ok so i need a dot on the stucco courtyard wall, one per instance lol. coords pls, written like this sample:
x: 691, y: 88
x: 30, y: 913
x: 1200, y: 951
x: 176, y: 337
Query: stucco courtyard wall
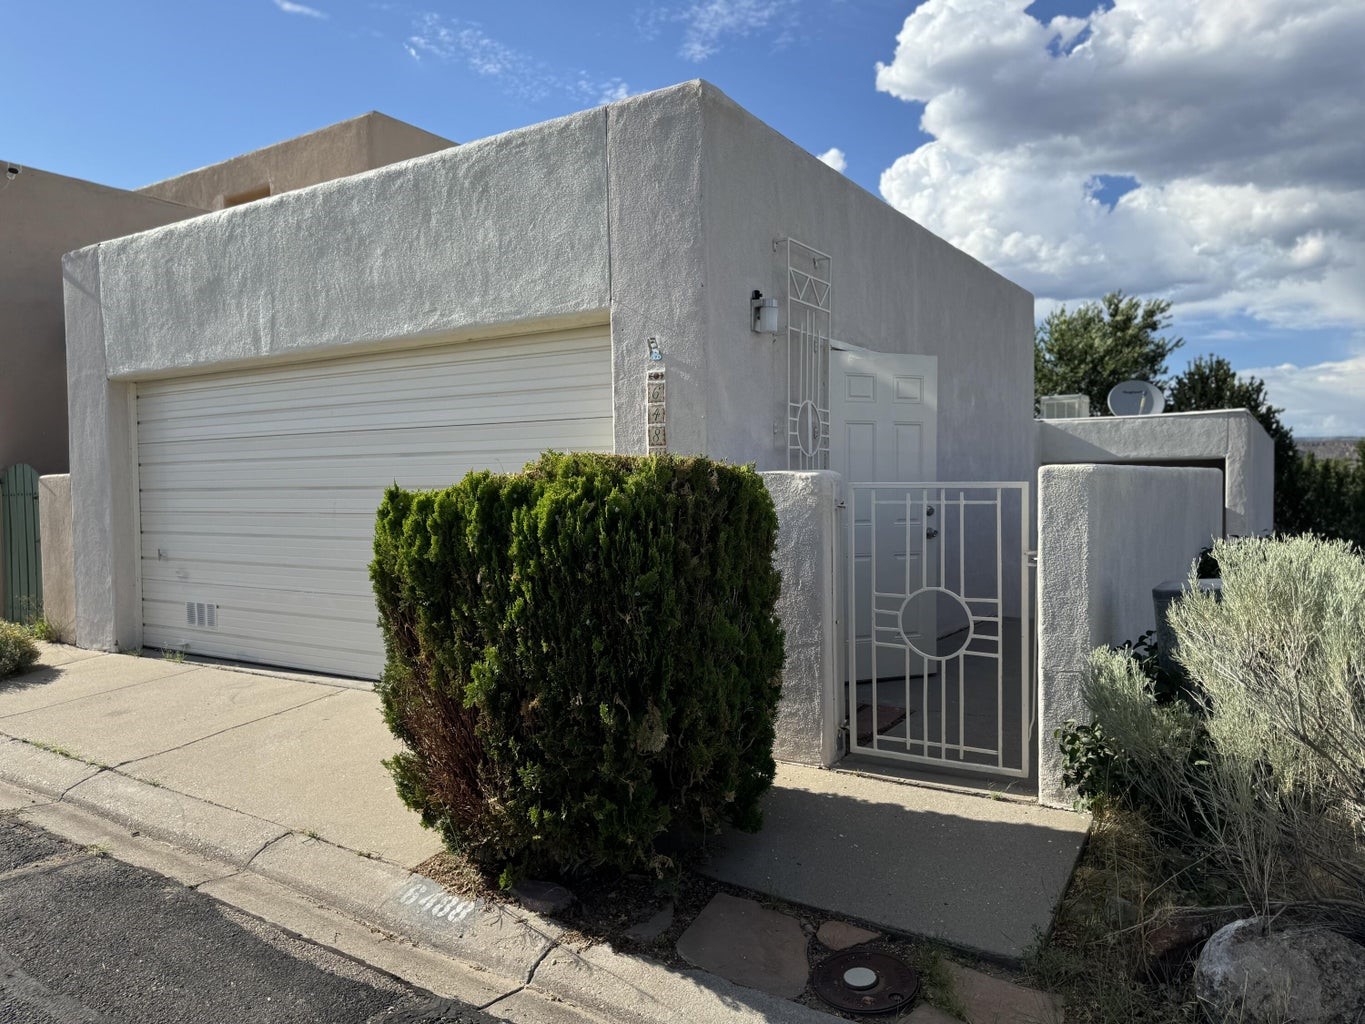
x: 1106, y: 536
x: 42, y: 216
x: 54, y: 526
x: 1230, y: 438
x: 657, y: 274
x: 806, y: 556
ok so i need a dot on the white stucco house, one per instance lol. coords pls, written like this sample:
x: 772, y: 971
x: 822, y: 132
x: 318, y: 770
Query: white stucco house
x: 244, y: 385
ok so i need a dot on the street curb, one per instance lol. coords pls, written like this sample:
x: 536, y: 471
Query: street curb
x: 41, y: 771
x: 624, y: 989
x: 515, y: 952
x: 411, y: 905
x: 183, y: 821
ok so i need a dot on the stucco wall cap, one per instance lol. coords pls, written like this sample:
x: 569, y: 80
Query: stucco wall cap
x: 454, y: 155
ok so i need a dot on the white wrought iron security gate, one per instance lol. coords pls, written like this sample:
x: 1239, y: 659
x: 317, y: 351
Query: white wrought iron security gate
x: 939, y: 667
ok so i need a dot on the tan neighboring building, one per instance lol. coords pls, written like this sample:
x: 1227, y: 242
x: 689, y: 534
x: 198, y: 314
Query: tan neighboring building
x: 349, y: 147
x: 42, y: 217
x: 45, y: 215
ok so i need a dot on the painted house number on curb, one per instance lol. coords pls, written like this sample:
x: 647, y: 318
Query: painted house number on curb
x: 439, y: 903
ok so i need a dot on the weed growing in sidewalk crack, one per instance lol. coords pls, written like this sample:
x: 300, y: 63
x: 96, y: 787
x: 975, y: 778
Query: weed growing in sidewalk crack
x: 66, y: 752
x: 939, y: 988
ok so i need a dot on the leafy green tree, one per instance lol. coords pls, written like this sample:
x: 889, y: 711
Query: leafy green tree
x: 1210, y: 382
x: 1321, y: 496
x: 1099, y: 344
x: 1330, y: 498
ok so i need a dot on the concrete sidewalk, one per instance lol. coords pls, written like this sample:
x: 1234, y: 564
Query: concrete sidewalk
x: 275, y: 779
x: 978, y: 874
x: 266, y: 791
x: 304, y: 755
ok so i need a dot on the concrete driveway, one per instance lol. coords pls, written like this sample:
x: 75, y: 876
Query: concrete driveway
x: 301, y: 752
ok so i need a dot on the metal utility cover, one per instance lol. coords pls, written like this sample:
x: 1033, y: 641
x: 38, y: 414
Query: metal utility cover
x: 866, y: 982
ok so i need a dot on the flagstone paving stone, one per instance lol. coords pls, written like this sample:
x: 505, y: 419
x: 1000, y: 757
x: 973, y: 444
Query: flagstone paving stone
x: 842, y: 935
x: 991, y: 1000
x: 748, y: 944
x: 926, y: 1014
x: 652, y: 927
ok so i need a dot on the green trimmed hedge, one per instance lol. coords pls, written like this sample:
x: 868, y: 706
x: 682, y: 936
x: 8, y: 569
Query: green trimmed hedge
x: 18, y: 652
x: 583, y: 658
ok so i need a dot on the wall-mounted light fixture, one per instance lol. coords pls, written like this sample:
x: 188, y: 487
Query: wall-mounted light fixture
x: 763, y: 313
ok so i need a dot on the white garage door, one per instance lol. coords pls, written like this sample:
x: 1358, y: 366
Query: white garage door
x: 259, y: 488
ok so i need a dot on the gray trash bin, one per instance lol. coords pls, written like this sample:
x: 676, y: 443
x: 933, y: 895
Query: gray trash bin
x: 1162, y: 596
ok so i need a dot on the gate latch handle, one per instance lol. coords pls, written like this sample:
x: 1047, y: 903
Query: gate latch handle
x: 929, y: 510
x: 931, y: 533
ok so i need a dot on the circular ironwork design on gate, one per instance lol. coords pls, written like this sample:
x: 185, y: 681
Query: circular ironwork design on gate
x: 808, y: 428
x: 954, y: 640
x: 865, y: 982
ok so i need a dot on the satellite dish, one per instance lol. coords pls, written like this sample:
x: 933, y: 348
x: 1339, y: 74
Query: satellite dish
x: 1136, y: 398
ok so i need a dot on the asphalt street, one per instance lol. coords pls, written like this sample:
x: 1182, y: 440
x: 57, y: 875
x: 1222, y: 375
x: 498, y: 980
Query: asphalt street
x: 86, y: 939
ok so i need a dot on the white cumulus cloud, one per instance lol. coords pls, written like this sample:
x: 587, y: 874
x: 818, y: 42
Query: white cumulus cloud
x: 836, y: 158
x: 708, y: 24
x: 1236, y: 126
x: 518, y: 72
x: 292, y: 8
x: 1322, y: 400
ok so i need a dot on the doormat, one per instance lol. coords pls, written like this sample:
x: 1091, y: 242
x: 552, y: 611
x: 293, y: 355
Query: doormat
x: 888, y: 717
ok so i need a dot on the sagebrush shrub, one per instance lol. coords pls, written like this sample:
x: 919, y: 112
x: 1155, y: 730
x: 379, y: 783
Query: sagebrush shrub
x: 1282, y: 656
x: 17, y: 649
x: 1282, y: 660
x: 1265, y: 783
x: 582, y: 657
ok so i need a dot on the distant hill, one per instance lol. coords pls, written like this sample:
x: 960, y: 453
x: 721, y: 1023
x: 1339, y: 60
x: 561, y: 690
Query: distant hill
x: 1329, y: 447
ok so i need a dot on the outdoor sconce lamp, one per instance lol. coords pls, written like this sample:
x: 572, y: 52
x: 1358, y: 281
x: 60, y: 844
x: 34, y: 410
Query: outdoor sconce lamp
x: 764, y: 313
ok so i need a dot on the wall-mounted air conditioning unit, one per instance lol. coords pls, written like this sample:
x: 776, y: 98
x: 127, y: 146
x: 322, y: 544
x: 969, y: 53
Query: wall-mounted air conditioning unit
x: 1064, y: 407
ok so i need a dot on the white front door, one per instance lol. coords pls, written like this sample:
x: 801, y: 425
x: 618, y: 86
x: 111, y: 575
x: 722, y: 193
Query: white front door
x: 884, y: 429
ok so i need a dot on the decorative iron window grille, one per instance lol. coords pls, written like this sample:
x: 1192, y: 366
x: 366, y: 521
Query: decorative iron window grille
x: 810, y: 324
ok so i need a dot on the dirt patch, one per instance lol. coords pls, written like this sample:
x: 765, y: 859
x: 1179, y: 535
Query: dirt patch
x: 1100, y: 954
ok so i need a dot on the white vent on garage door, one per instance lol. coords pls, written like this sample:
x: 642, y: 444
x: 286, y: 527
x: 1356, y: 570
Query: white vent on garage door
x: 201, y: 614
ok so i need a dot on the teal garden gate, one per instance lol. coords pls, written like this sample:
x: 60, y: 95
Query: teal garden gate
x: 21, y: 545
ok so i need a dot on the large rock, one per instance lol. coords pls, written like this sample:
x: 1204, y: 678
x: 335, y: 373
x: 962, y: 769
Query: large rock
x: 1309, y: 975
x: 1172, y: 940
x: 542, y: 897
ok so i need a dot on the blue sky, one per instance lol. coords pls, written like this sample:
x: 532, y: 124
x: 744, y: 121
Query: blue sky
x: 1213, y: 153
